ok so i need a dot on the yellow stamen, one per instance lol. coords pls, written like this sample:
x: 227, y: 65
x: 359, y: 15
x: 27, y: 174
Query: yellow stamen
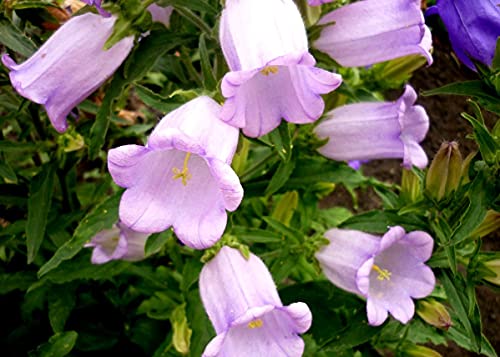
x: 255, y: 324
x: 184, y: 173
x: 269, y: 69
x: 383, y: 274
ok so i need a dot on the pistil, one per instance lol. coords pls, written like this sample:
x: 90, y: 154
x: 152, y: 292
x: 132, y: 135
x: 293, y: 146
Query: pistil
x: 183, y: 174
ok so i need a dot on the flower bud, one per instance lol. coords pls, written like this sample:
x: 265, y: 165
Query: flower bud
x: 444, y: 173
x: 490, y: 224
x: 420, y: 351
x: 494, y: 267
x: 411, y: 186
x: 434, y: 313
x: 182, y: 333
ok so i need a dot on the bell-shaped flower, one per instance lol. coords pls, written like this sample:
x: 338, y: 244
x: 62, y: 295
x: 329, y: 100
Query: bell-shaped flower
x: 473, y: 28
x: 388, y: 271
x: 373, y: 31
x: 182, y: 177
x: 119, y: 242
x: 69, y: 66
x: 241, y: 300
x: 376, y: 130
x: 273, y: 75
x: 161, y: 14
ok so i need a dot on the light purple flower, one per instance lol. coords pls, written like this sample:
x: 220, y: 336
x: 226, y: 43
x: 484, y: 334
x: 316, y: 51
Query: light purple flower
x: 182, y: 177
x: 161, y: 14
x: 98, y: 6
x: 243, y: 305
x: 378, y: 130
x: 387, y: 271
x: 69, y: 66
x: 373, y: 31
x: 273, y: 75
x: 473, y: 28
x: 119, y: 242
x: 318, y: 2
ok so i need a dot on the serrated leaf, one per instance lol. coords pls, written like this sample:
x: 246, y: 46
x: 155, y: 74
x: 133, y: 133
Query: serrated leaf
x: 101, y: 217
x: 58, y: 345
x: 39, y: 203
x: 11, y: 37
x: 16, y: 281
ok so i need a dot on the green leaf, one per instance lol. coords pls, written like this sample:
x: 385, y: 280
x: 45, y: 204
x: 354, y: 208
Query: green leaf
x: 378, y: 221
x: 281, y: 141
x: 61, y: 302
x: 39, y: 203
x: 58, y: 345
x: 7, y: 172
x: 455, y: 292
x: 256, y: 235
x: 198, y: 322
x: 156, y: 101
x: 487, y: 144
x: 13, y: 38
x: 475, y: 89
x: 101, y: 217
x: 142, y: 59
x: 209, y: 80
x: 281, y: 228
x: 156, y: 241
x: 21, y: 280
x: 280, y: 177
x: 197, y: 5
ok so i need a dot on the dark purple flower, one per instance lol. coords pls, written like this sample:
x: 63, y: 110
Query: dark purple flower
x: 473, y: 28
x: 119, y: 242
x: 98, y: 6
x: 243, y: 305
x: 273, y: 75
x: 376, y: 130
x: 182, y: 177
x: 388, y: 271
x: 373, y: 31
x: 69, y: 66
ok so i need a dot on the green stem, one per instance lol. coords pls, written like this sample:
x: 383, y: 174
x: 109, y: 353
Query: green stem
x: 248, y: 173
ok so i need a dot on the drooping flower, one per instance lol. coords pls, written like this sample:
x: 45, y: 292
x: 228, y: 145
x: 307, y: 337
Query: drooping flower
x: 243, y: 305
x: 376, y: 130
x: 182, y: 177
x: 273, y: 75
x: 473, y: 28
x: 98, y: 6
x: 373, y: 31
x: 388, y: 271
x: 161, y: 14
x: 69, y: 66
x: 119, y: 242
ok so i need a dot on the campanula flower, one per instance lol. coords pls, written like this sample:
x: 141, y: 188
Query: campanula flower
x: 161, y: 14
x: 273, y: 75
x: 182, y: 177
x: 473, y: 28
x: 388, y: 271
x: 69, y: 66
x: 241, y: 300
x: 376, y: 130
x: 119, y: 242
x: 373, y: 31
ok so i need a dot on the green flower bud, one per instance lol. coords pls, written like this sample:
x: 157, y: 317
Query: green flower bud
x: 420, y: 351
x: 284, y: 209
x: 182, y: 333
x: 444, y: 173
x: 434, y: 313
x: 490, y: 224
x: 411, y: 186
x: 494, y: 267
